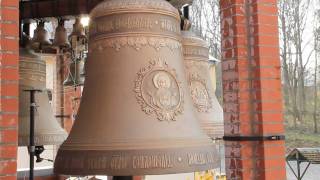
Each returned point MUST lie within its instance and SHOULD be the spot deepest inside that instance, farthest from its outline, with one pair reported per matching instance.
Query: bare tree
(317, 50)
(293, 20)
(205, 19)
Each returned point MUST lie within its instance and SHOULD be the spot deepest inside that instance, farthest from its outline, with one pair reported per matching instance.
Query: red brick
(271, 117)
(9, 177)
(9, 73)
(9, 44)
(8, 120)
(10, 59)
(276, 173)
(8, 151)
(10, 89)
(265, 19)
(12, 3)
(8, 136)
(272, 149)
(9, 29)
(266, 51)
(252, 88)
(271, 129)
(269, 84)
(9, 104)
(267, 61)
(264, 8)
(272, 106)
(8, 167)
(266, 40)
(10, 14)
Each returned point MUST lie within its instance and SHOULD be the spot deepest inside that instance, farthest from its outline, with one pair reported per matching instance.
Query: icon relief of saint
(158, 91)
(163, 97)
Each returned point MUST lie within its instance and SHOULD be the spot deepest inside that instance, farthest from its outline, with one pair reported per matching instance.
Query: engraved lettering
(77, 163)
(118, 162)
(152, 161)
(97, 163)
(196, 159)
(169, 26)
(210, 158)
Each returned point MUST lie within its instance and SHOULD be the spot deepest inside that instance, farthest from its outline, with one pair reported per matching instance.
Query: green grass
(301, 138)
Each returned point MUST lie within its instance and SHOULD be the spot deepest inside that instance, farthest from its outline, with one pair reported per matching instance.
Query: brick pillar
(252, 89)
(9, 78)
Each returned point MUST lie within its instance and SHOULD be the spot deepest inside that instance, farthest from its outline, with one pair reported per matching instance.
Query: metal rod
(305, 170)
(26, 28)
(298, 166)
(292, 169)
(31, 133)
(122, 178)
(186, 12)
(31, 138)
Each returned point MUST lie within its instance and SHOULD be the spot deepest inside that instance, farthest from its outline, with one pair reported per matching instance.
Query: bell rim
(181, 160)
(43, 139)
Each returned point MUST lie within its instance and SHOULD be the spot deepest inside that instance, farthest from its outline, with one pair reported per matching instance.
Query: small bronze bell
(40, 38)
(75, 74)
(61, 37)
(207, 107)
(136, 115)
(32, 76)
(77, 38)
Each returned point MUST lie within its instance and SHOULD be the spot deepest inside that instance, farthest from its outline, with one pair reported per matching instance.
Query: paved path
(313, 172)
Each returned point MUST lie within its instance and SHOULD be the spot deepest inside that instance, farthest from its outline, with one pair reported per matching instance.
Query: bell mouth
(136, 162)
(43, 139)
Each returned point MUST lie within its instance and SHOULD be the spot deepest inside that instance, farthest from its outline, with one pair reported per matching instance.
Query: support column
(9, 94)
(252, 90)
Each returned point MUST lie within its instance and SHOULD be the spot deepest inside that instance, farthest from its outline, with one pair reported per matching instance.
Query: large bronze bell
(207, 107)
(136, 115)
(75, 74)
(40, 37)
(61, 37)
(32, 76)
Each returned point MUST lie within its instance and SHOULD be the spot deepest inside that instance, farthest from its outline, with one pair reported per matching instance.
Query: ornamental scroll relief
(135, 42)
(158, 91)
(199, 88)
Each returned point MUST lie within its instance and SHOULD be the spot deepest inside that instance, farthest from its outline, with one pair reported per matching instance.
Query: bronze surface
(136, 115)
(207, 107)
(32, 76)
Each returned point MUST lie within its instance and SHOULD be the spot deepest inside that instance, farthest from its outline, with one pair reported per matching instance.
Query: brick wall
(9, 76)
(252, 88)
(72, 97)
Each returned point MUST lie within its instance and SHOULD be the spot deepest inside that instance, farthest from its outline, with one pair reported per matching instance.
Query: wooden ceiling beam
(39, 9)
(55, 8)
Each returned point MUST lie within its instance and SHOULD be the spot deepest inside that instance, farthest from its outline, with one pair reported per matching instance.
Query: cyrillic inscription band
(137, 23)
(138, 162)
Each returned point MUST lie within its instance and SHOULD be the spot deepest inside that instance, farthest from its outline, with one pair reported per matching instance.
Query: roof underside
(38, 9)
(311, 155)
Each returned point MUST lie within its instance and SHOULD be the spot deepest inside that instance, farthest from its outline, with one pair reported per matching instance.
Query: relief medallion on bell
(199, 87)
(158, 91)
